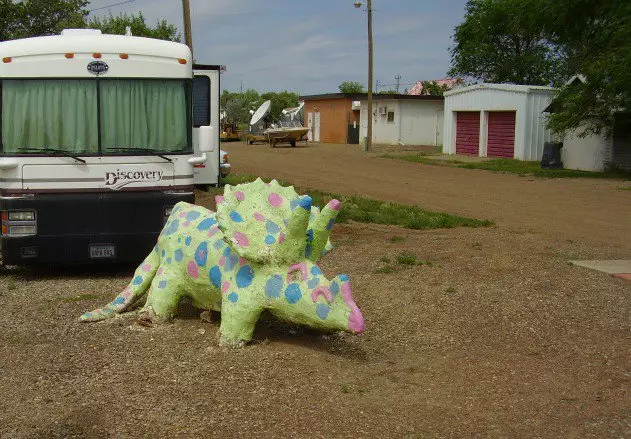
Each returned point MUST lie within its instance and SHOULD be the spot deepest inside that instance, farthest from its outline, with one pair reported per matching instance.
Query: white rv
(96, 144)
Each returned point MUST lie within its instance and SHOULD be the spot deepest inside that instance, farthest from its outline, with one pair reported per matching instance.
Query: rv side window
(201, 101)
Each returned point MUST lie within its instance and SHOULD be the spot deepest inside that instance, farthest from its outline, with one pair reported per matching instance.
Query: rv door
(206, 113)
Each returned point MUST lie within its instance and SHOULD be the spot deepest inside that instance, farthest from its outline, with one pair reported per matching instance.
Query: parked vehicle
(97, 144)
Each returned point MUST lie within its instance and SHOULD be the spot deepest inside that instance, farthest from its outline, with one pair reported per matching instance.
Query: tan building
(333, 118)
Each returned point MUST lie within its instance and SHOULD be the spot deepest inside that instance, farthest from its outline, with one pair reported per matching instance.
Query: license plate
(102, 251)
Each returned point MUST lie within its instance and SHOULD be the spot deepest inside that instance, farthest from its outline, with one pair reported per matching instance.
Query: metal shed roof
(501, 87)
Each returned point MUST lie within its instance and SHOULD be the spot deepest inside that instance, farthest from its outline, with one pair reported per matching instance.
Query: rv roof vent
(70, 32)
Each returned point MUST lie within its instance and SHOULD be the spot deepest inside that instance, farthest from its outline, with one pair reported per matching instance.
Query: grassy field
(367, 210)
(511, 166)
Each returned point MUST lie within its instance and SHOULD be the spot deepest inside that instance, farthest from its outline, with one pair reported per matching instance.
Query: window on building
(390, 116)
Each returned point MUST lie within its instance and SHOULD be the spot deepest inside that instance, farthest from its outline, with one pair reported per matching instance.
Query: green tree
(506, 41)
(595, 37)
(350, 87)
(280, 100)
(116, 25)
(32, 18)
(434, 89)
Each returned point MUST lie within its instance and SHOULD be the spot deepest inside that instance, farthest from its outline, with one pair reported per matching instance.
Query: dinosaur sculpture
(259, 251)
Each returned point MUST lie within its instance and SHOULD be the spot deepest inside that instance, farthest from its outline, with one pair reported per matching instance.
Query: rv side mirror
(206, 139)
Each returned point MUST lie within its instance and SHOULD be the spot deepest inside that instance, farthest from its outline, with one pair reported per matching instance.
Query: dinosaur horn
(293, 247)
(322, 228)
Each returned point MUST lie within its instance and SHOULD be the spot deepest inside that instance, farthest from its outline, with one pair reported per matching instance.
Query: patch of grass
(427, 263)
(385, 259)
(11, 285)
(79, 298)
(512, 166)
(406, 259)
(451, 290)
(386, 269)
(345, 388)
(397, 239)
(624, 188)
(368, 210)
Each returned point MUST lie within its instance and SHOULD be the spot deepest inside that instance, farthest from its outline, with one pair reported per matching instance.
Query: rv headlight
(22, 230)
(21, 215)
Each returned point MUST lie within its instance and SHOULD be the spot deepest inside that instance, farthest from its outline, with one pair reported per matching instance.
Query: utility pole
(398, 78)
(377, 85)
(186, 11)
(368, 146)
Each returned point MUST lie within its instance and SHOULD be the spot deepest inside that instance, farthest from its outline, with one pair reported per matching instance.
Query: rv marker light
(6, 59)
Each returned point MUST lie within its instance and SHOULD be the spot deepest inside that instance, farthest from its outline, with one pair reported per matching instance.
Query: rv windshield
(41, 116)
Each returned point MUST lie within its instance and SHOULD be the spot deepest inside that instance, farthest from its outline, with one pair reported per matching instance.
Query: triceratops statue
(259, 251)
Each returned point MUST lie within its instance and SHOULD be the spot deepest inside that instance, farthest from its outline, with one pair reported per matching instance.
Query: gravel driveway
(498, 337)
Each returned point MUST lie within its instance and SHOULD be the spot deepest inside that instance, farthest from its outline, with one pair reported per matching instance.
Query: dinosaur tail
(139, 285)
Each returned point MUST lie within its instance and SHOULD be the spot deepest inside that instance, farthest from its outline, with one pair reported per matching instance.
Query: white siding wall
(590, 153)
(415, 122)
(530, 132)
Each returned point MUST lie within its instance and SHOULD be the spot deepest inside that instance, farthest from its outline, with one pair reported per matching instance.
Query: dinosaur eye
(296, 276)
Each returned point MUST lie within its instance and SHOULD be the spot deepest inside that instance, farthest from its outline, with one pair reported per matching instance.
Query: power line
(109, 6)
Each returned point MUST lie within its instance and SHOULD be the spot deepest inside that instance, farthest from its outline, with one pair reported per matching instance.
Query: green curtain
(49, 113)
(143, 114)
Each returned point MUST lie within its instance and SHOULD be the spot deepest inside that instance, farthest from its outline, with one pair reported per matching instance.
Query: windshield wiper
(152, 151)
(60, 151)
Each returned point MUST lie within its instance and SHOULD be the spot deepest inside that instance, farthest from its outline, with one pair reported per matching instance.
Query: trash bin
(551, 158)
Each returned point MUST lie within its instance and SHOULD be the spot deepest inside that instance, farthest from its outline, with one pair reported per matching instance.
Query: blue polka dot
(176, 209)
(231, 261)
(137, 280)
(191, 216)
(206, 224)
(273, 286)
(169, 260)
(335, 288)
(245, 276)
(218, 244)
(308, 250)
(234, 216)
(313, 283)
(272, 227)
(163, 253)
(201, 254)
(322, 310)
(179, 255)
(315, 270)
(233, 297)
(118, 301)
(179, 239)
(188, 240)
(305, 202)
(269, 239)
(343, 277)
(310, 235)
(294, 203)
(215, 276)
(162, 284)
(293, 293)
(172, 227)
(226, 251)
(329, 226)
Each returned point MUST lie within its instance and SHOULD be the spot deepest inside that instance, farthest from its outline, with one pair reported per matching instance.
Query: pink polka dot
(281, 238)
(242, 261)
(275, 199)
(186, 224)
(219, 199)
(259, 217)
(146, 268)
(225, 286)
(160, 270)
(222, 260)
(182, 214)
(239, 195)
(241, 239)
(192, 270)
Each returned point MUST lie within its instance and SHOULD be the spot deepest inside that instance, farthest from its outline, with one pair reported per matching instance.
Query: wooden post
(368, 144)
(186, 11)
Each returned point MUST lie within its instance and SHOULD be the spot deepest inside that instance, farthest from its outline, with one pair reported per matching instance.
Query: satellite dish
(261, 112)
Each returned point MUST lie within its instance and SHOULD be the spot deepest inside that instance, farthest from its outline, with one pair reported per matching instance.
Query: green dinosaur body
(259, 251)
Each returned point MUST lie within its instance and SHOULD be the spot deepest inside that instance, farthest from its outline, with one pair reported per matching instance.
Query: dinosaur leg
(131, 294)
(238, 319)
(162, 301)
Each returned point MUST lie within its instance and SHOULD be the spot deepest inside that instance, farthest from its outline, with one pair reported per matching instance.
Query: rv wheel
(293, 143)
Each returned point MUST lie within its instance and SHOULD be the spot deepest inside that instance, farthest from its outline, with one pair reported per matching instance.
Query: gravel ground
(498, 337)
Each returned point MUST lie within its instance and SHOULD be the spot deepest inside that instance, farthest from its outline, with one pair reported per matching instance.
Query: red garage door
(468, 132)
(501, 141)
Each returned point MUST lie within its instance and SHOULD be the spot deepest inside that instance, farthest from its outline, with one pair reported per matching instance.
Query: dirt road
(494, 336)
(590, 210)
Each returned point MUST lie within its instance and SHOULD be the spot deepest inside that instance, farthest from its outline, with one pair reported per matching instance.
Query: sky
(310, 47)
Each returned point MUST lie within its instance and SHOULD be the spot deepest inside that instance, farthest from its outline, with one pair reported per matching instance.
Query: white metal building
(403, 119)
(497, 120)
